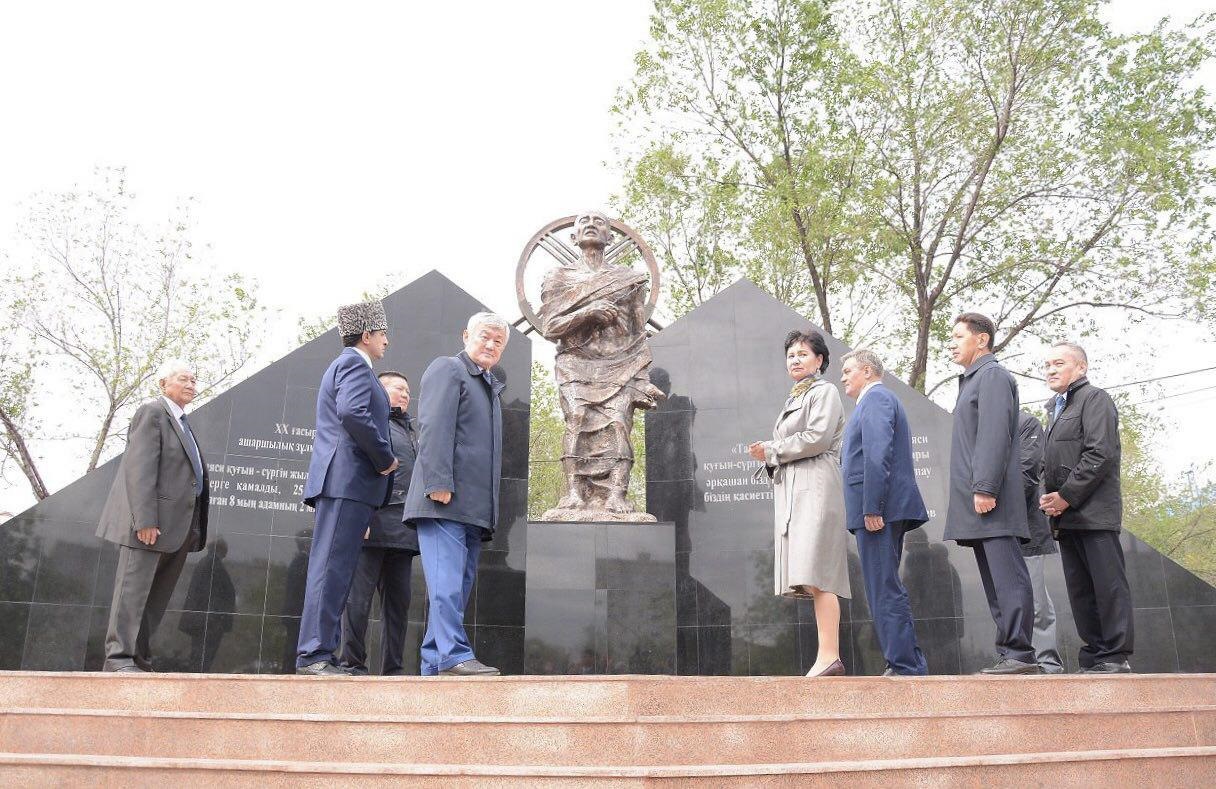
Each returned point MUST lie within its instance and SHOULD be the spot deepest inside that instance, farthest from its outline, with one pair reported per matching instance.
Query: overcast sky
(330, 144)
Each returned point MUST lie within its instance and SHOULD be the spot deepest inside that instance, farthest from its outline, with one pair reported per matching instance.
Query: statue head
(591, 229)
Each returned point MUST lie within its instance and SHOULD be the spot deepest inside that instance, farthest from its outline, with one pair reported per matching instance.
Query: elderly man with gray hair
(453, 494)
(157, 514)
(882, 504)
(1085, 504)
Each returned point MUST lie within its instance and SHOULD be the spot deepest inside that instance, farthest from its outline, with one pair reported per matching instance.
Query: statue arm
(597, 312)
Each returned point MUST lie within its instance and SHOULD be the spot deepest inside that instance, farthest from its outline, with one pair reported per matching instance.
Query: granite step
(596, 740)
(600, 695)
(1143, 767)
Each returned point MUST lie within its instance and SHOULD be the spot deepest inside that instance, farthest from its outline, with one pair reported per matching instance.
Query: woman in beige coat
(803, 460)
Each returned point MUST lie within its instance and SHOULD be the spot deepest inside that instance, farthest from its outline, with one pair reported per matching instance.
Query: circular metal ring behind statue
(550, 230)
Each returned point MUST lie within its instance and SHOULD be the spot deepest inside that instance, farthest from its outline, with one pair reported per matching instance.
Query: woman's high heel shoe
(835, 669)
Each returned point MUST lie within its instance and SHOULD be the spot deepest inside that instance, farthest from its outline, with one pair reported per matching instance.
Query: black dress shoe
(1109, 667)
(890, 672)
(322, 668)
(1011, 666)
(471, 668)
(131, 670)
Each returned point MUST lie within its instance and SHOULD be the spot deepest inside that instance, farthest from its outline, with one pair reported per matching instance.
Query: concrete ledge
(1096, 763)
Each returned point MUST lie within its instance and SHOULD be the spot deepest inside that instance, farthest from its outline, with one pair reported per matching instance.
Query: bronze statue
(596, 313)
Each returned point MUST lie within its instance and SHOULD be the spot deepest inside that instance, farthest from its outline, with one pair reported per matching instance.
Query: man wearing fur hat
(349, 477)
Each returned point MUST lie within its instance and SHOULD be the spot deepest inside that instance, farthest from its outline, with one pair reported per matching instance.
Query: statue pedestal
(601, 598)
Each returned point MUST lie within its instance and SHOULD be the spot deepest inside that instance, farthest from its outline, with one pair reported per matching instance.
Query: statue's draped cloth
(601, 369)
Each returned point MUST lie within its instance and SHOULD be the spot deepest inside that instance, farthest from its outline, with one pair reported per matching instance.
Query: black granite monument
(691, 594)
(237, 605)
(723, 368)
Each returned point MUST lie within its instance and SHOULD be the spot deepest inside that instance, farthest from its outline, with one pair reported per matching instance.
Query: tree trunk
(102, 435)
(821, 290)
(24, 459)
(920, 361)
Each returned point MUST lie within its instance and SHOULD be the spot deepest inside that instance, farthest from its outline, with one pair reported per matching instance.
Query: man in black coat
(388, 551)
(987, 510)
(1041, 545)
(453, 496)
(1085, 504)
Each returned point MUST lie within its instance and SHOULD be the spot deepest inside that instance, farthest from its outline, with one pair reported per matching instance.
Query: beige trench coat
(809, 535)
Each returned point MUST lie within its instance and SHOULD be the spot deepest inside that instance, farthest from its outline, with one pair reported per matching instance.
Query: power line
(1160, 378)
(1176, 394)
(1127, 383)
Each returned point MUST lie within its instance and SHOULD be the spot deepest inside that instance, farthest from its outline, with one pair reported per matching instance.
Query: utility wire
(1127, 383)
(1176, 394)
(1160, 378)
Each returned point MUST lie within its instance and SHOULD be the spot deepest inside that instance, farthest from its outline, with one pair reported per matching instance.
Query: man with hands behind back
(350, 476)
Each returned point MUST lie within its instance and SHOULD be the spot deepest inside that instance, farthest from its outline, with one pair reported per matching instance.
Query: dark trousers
(143, 585)
(1010, 595)
(1099, 594)
(336, 542)
(880, 553)
(386, 570)
(449, 560)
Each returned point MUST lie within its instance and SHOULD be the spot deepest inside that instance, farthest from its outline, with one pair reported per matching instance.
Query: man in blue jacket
(453, 496)
(349, 477)
(882, 504)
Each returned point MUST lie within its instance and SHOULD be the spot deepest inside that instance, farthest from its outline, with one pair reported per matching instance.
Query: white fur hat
(358, 318)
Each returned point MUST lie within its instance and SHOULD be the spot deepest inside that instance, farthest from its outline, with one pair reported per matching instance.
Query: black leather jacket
(1081, 460)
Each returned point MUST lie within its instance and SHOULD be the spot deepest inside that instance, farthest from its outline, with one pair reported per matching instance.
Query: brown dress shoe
(835, 669)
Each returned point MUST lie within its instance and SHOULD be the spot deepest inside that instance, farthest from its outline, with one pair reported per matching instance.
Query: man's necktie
(1060, 401)
(195, 458)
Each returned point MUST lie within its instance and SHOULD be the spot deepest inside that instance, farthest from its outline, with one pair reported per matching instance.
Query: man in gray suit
(157, 513)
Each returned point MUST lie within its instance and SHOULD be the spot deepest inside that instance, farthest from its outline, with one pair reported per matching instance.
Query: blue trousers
(449, 561)
(880, 553)
(336, 542)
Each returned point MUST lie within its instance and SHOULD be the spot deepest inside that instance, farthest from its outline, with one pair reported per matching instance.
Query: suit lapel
(177, 428)
(791, 406)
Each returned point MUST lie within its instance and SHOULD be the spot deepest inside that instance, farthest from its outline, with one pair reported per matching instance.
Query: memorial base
(601, 598)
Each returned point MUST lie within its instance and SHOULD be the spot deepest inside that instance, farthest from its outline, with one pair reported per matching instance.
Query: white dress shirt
(175, 409)
(865, 389)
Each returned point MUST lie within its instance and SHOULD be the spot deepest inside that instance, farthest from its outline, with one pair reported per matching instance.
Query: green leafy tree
(545, 428)
(738, 158)
(1032, 161)
(885, 164)
(17, 365)
(103, 300)
(1176, 519)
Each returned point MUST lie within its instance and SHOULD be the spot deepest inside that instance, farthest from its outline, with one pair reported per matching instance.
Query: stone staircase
(227, 730)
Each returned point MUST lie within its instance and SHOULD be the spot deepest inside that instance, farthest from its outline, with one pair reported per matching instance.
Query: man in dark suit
(1041, 545)
(157, 513)
(882, 504)
(388, 552)
(453, 495)
(1085, 504)
(349, 478)
(987, 510)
